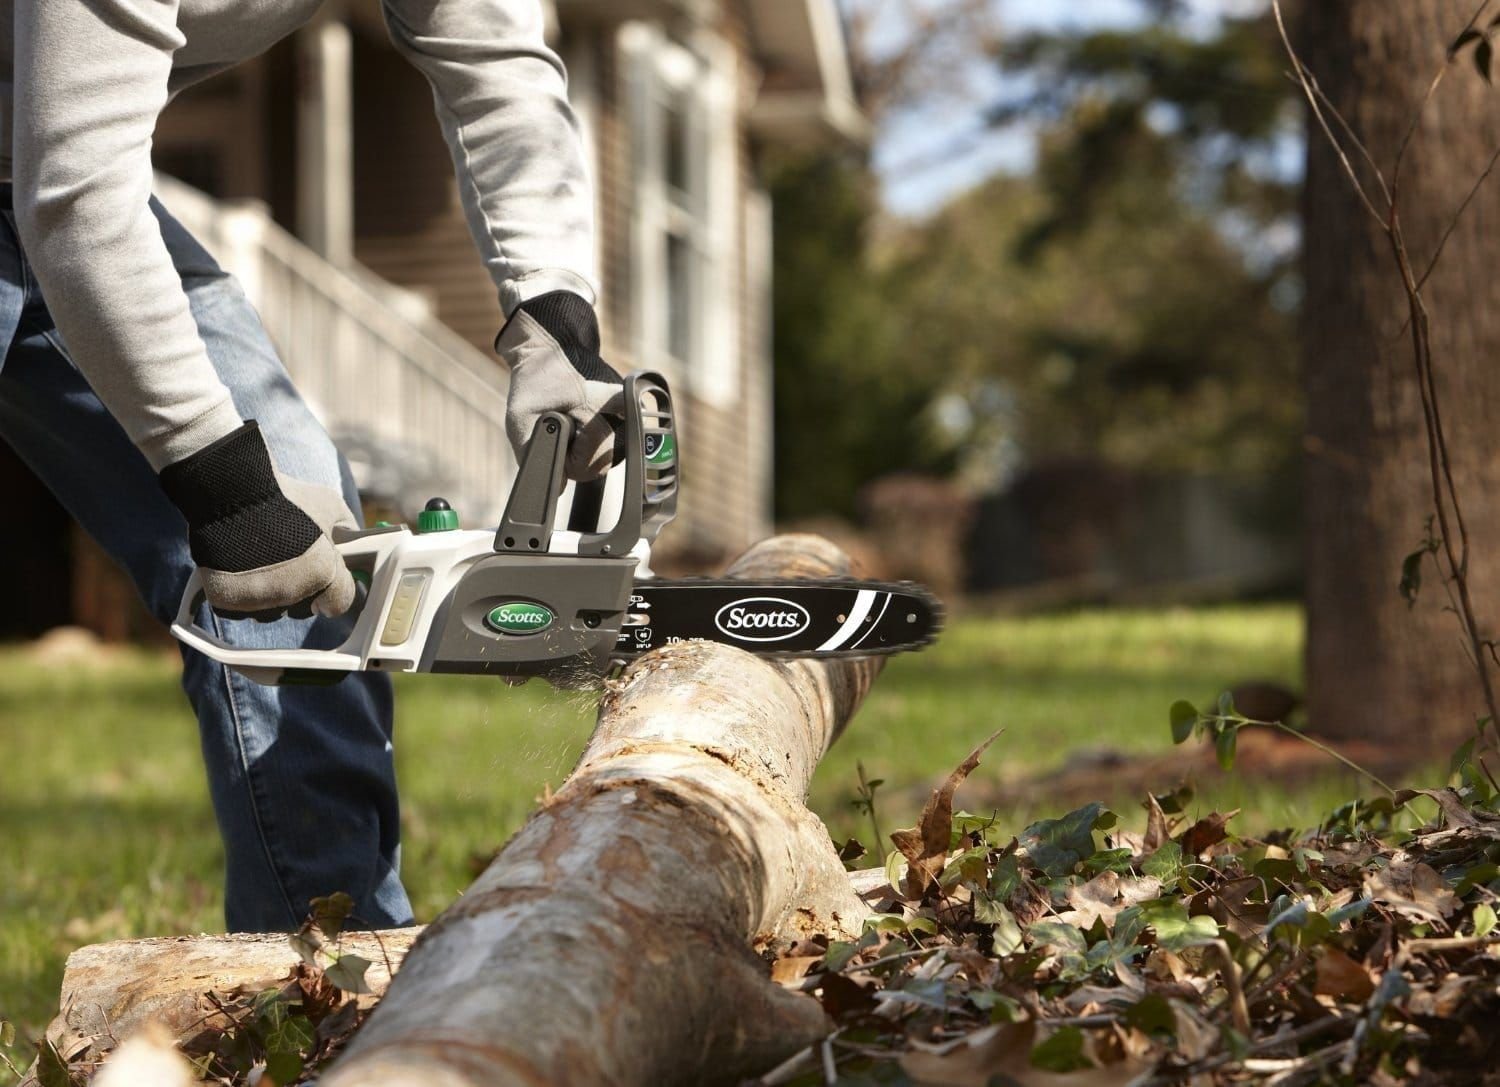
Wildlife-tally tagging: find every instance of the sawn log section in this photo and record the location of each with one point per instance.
(613, 940)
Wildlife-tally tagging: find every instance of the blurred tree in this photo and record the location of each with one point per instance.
(1377, 668)
(849, 406)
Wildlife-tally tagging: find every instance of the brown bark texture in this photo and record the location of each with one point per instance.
(1376, 668)
(613, 941)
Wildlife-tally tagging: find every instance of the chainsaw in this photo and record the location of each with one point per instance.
(569, 604)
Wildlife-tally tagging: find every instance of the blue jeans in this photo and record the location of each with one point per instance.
(302, 778)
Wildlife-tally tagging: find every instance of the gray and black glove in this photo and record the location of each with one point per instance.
(260, 539)
(551, 344)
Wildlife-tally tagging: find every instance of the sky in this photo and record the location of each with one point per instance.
(927, 156)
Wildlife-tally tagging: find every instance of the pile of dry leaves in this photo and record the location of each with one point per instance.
(1076, 952)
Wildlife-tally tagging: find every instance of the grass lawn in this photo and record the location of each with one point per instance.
(105, 829)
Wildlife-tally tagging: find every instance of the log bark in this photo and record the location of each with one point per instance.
(613, 940)
(111, 991)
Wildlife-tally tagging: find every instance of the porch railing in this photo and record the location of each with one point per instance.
(416, 408)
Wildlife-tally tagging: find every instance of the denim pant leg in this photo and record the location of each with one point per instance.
(302, 778)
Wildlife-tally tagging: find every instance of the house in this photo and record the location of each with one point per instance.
(317, 173)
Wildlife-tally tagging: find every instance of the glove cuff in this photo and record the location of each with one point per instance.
(571, 321)
(238, 518)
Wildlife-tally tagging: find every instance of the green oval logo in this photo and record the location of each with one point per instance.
(660, 449)
(519, 617)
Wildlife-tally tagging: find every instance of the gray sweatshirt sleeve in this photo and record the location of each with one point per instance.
(90, 79)
(502, 101)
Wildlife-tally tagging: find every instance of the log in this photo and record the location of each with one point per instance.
(113, 990)
(614, 939)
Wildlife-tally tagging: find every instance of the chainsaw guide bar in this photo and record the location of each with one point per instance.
(792, 618)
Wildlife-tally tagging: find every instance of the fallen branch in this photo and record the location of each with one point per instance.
(613, 940)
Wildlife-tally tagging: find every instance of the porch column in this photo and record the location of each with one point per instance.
(325, 144)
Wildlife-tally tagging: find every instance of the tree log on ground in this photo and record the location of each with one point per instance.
(613, 940)
(110, 991)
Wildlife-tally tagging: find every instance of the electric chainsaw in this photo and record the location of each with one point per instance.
(531, 599)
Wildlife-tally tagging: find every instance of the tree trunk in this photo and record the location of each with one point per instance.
(1376, 668)
(613, 940)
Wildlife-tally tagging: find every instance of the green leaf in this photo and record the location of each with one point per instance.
(1005, 878)
(1058, 846)
(1007, 933)
(1224, 744)
(293, 1034)
(1226, 704)
(1164, 864)
(839, 954)
(7, 1033)
(1153, 1015)
(283, 1066)
(348, 974)
(971, 865)
(1184, 715)
(1002, 1009)
(51, 1069)
(1484, 919)
(1061, 1052)
(1484, 52)
(1107, 860)
(1176, 930)
(1057, 934)
(1477, 876)
(1350, 912)
(895, 871)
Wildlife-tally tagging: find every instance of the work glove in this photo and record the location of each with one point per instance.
(260, 539)
(551, 344)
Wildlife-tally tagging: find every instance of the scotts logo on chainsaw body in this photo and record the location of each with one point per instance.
(519, 617)
(762, 619)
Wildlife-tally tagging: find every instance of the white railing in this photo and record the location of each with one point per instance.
(418, 409)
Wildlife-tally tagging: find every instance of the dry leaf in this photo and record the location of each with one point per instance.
(1158, 830)
(791, 969)
(1003, 1047)
(1413, 889)
(1105, 896)
(1206, 833)
(1339, 975)
(925, 846)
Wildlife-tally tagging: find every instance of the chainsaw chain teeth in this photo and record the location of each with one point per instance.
(915, 591)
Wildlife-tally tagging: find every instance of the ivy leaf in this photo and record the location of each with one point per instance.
(1061, 1052)
(1184, 715)
(1153, 1015)
(1056, 934)
(1058, 846)
(51, 1069)
(283, 1066)
(348, 974)
(1164, 864)
(1175, 930)
(330, 912)
(1007, 932)
(1484, 919)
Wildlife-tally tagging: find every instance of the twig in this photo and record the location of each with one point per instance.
(1459, 214)
(830, 1066)
(1239, 1011)
(1317, 112)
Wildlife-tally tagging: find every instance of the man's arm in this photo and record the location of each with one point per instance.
(90, 80)
(502, 100)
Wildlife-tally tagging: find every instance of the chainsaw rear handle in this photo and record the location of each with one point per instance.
(649, 498)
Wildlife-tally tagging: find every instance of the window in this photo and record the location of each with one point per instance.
(683, 202)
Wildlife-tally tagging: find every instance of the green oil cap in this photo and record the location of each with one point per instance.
(437, 517)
